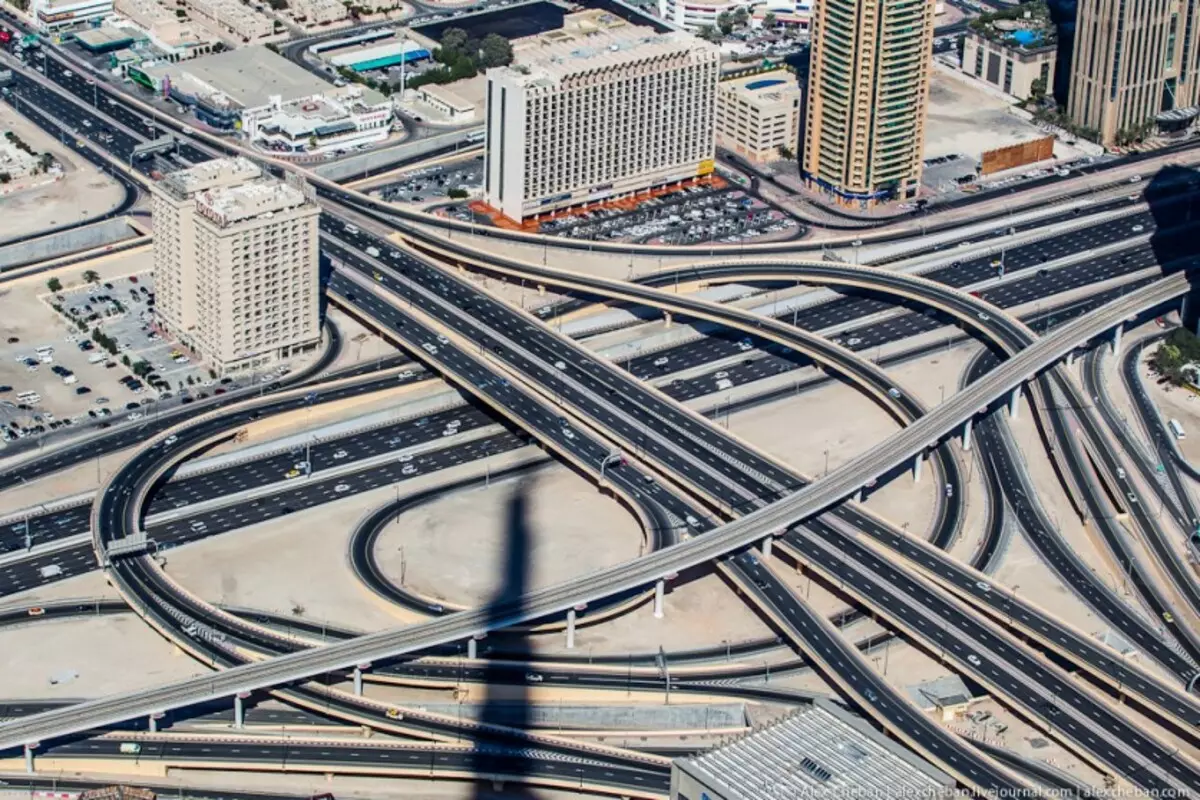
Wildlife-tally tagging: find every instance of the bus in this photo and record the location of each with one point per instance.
(476, 136)
(1176, 429)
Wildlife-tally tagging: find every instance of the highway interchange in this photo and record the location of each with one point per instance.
(683, 476)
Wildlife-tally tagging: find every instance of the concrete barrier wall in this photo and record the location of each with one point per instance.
(360, 166)
(685, 716)
(60, 244)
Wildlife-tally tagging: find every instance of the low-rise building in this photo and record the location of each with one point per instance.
(696, 15)
(231, 18)
(235, 265)
(339, 120)
(758, 117)
(320, 12)
(446, 103)
(821, 750)
(52, 15)
(175, 38)
(1016, 56)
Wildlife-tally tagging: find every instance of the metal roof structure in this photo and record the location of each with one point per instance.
(821, 750)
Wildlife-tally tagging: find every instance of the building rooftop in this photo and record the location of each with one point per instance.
(946, 692)
(1026, 27)
(821, 750)
(561, 55)
(248, 76)
(228, 205)
(210, 175)
(104, 36)
(764, 87)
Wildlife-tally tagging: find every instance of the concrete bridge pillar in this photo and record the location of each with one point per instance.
(918, 464)
(358, 678)
(1116, 342)
(766, 547)
(1071, 359)
(660, 589)
(153, 723)
(570, 628)
(29, 748)
(1014, 403)
(966, 436)
(239, 710)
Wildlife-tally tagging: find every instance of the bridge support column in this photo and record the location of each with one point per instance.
(918, 464)
(1014, 403)
(153, 724)
(660, 589)
(766, 547)
(358, 678)
(858, 496)
(239, 711)
(1116, 342)
(570, 628)
(666, 319)
(1071, 359)
(29, 758)
(472, 648)
(966, 438)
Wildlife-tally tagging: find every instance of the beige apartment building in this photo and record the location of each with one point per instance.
(867, 99)
(758, 117)
(231, 18)
(235, 264)
(598, 115)
(1012, 67)
(1133, 60)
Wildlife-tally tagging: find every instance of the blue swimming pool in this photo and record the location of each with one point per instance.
(1027, 38)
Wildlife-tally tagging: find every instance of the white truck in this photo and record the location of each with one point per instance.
(130, 748)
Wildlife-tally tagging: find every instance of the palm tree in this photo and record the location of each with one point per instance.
(91, 276)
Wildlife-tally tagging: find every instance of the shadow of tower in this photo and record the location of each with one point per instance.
(506, 703)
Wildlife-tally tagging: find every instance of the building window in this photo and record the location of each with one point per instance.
(1008, 72)
(978, 62)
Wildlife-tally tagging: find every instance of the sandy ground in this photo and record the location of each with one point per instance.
(456, 548)
(82, 192)
(849, 425)
(88, 658)
(358, 344)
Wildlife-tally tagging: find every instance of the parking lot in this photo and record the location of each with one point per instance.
(434, 182)
(694, 214)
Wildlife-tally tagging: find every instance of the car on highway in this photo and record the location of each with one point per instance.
(1168, 617)
(339, 454)
(534, 677)
(1138, 228)
(405, 457)
(342, 487)
(408, 469)
(394, 713)
(429, 347)
(974, 659)
(136, 415)
(894, 393)
(36, 611)
(292, 473)
(661, 361)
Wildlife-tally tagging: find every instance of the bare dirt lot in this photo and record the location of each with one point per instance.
(81, 193)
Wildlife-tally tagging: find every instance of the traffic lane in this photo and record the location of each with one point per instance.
(629, 423)
(545, 764)
(866, 688)
(1056, 553)
(468, 310)
(990, 658)
(1114, 534)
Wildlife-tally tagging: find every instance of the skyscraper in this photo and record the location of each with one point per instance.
(868, 96)
(1133, 59)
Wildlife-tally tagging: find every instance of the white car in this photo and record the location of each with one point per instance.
(408, 469)
(443, 340)
(533, 677)
(429, 348)
(661, 361)
(894, 393)
(974, 659)
(338, 455)
(405, 374)
(1138, 228)
(567, 432)
(745, 344)
(560, 365)
(342, 487)
(720, 375)
(135, 416)
(449, 431)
